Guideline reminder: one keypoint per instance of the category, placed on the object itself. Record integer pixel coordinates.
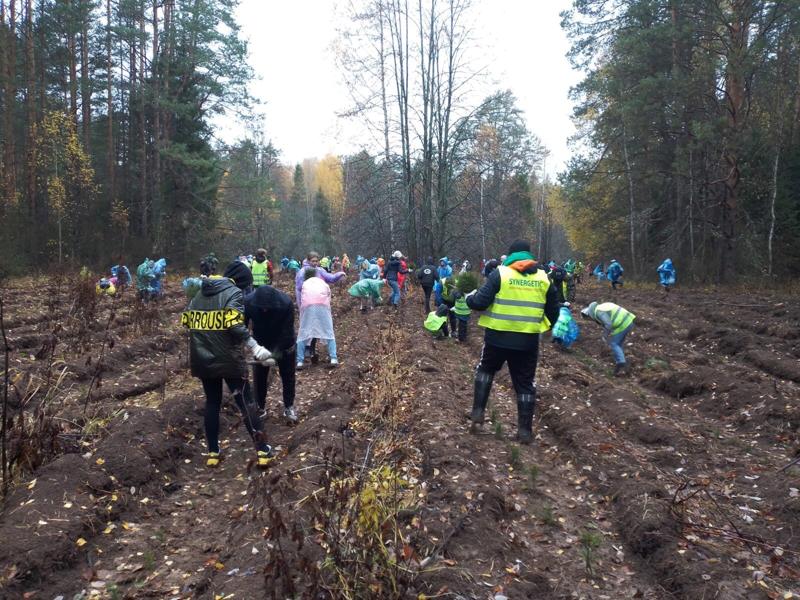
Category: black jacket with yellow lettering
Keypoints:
(215, 317)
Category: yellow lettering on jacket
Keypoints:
(211, 320)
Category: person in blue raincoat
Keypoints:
(614, 274)
(666, 275)
(599, 271)
(444, 270)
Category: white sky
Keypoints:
(290, 51)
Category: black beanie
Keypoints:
(519, 246)
(240, 273)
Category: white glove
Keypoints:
(472, 293)
(260, 353)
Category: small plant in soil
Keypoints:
(545, 515)
(590, 542)
(533, 475)
(513, 456)
(149, 560)
(493, 415)
(498, 430)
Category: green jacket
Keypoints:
(215, 317)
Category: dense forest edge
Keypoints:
(687, 143)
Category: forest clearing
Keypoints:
(225, 156)
(666, 484)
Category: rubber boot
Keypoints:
(526, 405)
(620, 369)
(483, 387)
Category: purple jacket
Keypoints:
(300, 278)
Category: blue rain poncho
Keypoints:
(599, 271)
(666, 273)
(615, 271)
(566, 328)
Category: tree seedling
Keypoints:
(513, 456)
(590, 542)
(533, 475)
(498, 430)
(545, 515)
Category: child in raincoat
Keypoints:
(614, 274)
(436, 322)
(666, 275)
(316, 320)
(599, 271)
(366, 289)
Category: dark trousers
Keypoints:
(521, 365)
(427, 290)
(285, 366)
(244, 400)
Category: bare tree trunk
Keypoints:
(384, 104)
(735, 106)
(156, 129)
(773, 198)
(691, 212)
(632, 217)
(30, 104)
(9, 93)
(86, 98)
(111, 157)
(72, 62)
(143, 188)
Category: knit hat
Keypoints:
(240, 274)
(519, 246)
(397, 254)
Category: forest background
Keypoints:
(687, 146)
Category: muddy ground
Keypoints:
(663, 484)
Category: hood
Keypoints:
(525, 266)
(590, 310)
(215, 285)
(267, 297)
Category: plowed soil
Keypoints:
(666, 483)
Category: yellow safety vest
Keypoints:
(519, 305)
(620, 317)
(260, 274)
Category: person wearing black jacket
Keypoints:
(427, 275)
(215, 318)
(390, 272)
(272, 315)
(520, 303)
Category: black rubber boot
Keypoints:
(526, 405)
(483, 387)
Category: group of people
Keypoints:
(238, 320)
(667, 275)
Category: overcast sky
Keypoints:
(290, 51)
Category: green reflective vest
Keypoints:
(620, 318)
(519, 305)
(433, 322)
(260, 273)
(461, 308)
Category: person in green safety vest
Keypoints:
(519, 302)
(260, 269)
(617, 324)
(436, 322)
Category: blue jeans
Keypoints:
(301, 349)
(395, 292)
(615, 342)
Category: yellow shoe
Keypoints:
(213, 459)
(265, 458)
